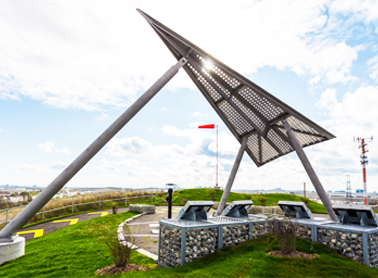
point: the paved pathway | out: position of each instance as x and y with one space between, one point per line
148 226
49 227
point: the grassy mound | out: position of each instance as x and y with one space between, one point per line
73 252
206 194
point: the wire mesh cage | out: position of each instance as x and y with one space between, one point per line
348 243
182 241
200 242
233 230
373 249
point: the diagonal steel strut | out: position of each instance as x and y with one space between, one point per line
30 210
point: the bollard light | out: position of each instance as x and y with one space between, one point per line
170 187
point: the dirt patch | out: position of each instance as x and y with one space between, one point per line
294 254
113 269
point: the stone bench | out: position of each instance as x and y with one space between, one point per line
142 208
264 209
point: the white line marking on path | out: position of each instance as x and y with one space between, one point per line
142 223
145 235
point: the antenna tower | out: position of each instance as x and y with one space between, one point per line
348 191
364 162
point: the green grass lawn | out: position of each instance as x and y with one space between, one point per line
69 252
249 259
206 194
73 252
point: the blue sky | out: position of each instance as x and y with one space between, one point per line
68 69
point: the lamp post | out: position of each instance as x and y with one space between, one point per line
170 187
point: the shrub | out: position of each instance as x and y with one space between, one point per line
114 208
119 251
261 199
285 231
305 200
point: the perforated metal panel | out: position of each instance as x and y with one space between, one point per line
247 110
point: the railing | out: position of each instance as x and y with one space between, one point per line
6 215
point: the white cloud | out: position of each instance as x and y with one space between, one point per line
353 115
105 55
124 146
49 147
102 117
365 11
373 63
40 168
358 107
106 166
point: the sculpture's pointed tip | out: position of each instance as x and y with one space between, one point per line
146 16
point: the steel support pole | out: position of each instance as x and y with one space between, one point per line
231 179
26 214
310 171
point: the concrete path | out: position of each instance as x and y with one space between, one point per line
51 226
148 226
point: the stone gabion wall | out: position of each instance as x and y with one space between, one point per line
200 242
304 231
235 234
262 228
346 243
373 249
170 246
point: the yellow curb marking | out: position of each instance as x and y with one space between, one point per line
72 221
37 233
102 213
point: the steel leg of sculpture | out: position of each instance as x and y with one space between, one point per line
310 171
231 179
26 214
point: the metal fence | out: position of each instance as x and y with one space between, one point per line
6 215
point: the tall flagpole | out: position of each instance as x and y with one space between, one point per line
216 177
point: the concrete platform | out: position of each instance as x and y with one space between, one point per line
12 250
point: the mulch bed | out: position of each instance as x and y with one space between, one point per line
113 269
294 254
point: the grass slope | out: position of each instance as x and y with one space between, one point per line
205 194
69 252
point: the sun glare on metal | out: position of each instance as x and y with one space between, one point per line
208 65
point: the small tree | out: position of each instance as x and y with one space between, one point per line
119 251
286 233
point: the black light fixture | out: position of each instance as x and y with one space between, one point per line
170 187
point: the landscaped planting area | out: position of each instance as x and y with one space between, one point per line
75 252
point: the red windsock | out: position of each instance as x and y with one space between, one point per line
207 126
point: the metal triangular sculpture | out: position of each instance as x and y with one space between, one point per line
248 110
